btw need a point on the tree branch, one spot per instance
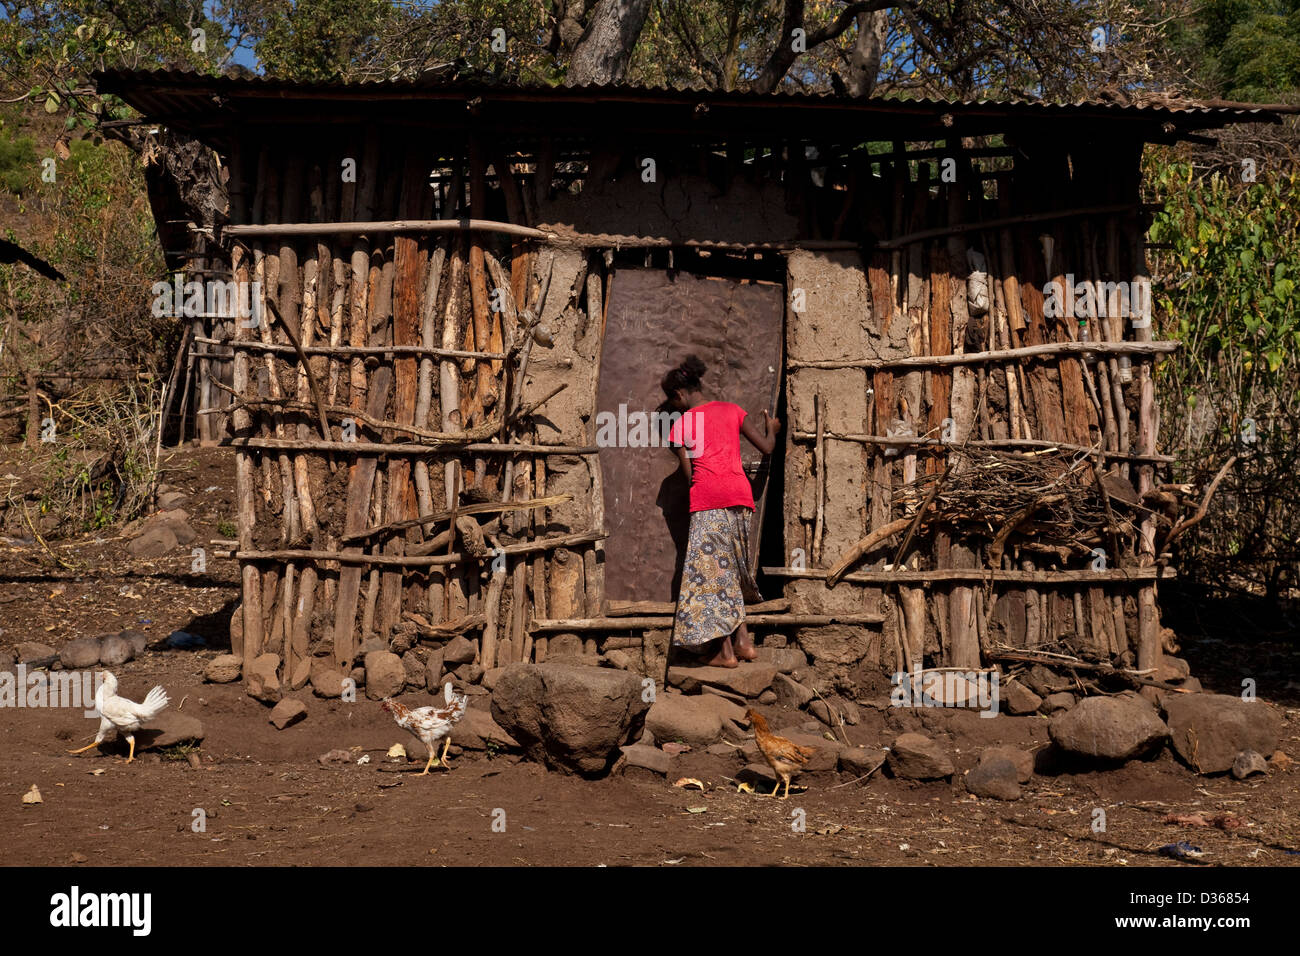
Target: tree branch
(783, 57)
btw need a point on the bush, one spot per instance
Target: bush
(1227, 289)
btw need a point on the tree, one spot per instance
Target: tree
(605, 48)
(314, 40)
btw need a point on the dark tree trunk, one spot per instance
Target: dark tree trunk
(868, 48)
(570, 18)
(603, 53)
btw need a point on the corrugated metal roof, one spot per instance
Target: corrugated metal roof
(202, 102)
(443, 82)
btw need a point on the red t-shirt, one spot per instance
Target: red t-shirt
(711, 436)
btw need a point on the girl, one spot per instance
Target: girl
(716, 578)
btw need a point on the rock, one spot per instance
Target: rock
(691, 720)
(647, 758)
(171, 499)
(790, 693)
(33, 796)
(733, 731)
(7, 661)
(994, 777)
(81, 652)
(726, 707)
(358, 676)
(138, 640)
(1019, 699)
(767, 697)
(1280, 760)
(30, 652)
(1022, 760)
(301, 674)
(1248, 762)
(385, 675)
(326, 678)
(1172, 669)
(458, 651)
(468, 673)
(564, 645)
(402, 637)
(185, 641)
(1209, 730)
(177, 522)
(725, 694)
(569, 716)
(416, 674)
(1062, 700)
(944, 689)
(490, 676)
(621, 659)
(1044, 682)
(372, 644)
(114, 650)
(262, 678)
(849, 711)
(155, 541)
(287, 713)
(222, 669)
(858, 761)
(1109, 728)
(168, 729)
(748, 680)
(757, 774)
(830, 715)
(784, 659)
(917, 757)
(478, 731)
(433, 670)
(335, 758)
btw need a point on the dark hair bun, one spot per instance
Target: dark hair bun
(685, 376)
(693, 368)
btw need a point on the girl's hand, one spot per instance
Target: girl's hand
(773, 425)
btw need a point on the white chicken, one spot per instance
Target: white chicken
(431, 724)
(124, 716)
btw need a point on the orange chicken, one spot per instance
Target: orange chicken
(785, 757)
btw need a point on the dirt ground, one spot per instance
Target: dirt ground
(268, 800)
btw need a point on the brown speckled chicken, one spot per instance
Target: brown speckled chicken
(785, 757)
(431, 724)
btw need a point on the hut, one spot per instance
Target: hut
(442, 408)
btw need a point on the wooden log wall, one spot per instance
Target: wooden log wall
(392, 493)
(888, 325)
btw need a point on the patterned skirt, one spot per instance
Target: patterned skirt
(716, 579)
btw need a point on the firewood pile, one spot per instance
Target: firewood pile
(1053, 501)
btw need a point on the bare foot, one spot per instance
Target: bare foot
(726, 657)
(745, 649)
